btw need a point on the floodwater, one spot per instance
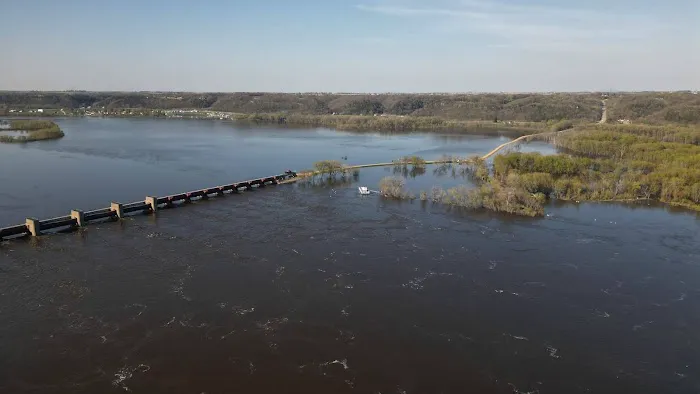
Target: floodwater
(103, 160)
(315, 289)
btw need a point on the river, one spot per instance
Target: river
(316, 289)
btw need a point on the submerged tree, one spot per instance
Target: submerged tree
(329, 167)
(394, 187)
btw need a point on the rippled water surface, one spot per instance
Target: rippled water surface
(317, 289)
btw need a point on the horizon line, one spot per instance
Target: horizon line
(344, 93)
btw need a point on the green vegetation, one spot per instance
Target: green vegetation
(613, 164)
(32, 130)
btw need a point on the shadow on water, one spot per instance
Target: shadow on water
(408, 171)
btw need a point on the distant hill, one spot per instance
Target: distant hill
(515, 107)
(683, 107)
(653, 107)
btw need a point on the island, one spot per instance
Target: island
(22, 131)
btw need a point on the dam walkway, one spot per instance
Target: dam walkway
(150, 204)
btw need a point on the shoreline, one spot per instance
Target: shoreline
(358, 123)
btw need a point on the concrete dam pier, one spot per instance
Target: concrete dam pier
(116, 211)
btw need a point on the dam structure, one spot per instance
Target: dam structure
(77, 218)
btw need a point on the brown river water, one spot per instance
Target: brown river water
(316, 289)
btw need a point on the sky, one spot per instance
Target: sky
(350, 45)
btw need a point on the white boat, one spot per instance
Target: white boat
(364, 190)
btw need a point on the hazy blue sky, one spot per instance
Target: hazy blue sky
(354, 45)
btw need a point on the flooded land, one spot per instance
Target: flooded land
(316, 289)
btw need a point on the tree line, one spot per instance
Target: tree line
(500, 106)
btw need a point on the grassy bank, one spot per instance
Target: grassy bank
(32, 130)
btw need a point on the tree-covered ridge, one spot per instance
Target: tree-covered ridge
(643, 107)
(655, 107)
(500, 106)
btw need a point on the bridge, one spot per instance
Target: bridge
(116, 211)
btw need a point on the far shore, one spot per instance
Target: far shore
(382, 123)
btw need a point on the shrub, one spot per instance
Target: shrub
(476, 169)
(329, 167)
(493, 196)
(537, 182)
(437, 195)
(415, 161)
(695, 193)
(394, 187)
